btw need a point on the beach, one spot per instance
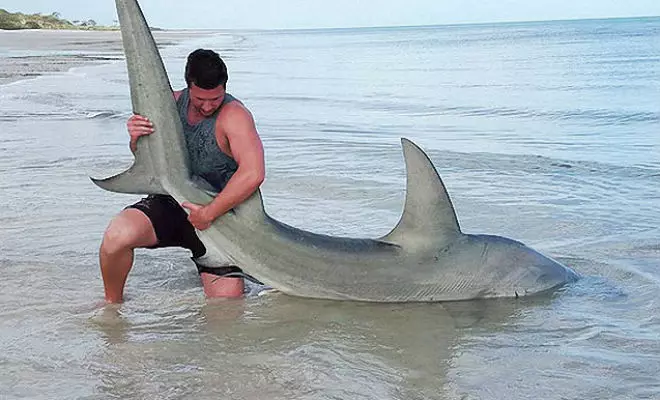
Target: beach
(27, 54)
(545, 133)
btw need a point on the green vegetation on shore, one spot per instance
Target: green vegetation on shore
(13, 21)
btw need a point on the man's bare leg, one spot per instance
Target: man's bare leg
(218, 286)
(129, 230)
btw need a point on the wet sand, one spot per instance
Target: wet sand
(30, 53)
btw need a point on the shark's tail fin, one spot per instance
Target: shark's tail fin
(138, 179)
(160, 159)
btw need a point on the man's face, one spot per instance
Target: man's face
(206, 101)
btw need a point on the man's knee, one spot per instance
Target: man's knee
(128, 230)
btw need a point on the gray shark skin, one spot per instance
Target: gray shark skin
(425, 258)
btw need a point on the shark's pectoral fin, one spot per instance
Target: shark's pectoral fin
(428, 212)
(138, 179)
(252, 209)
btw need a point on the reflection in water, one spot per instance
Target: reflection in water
(285, 347)
(108, 319)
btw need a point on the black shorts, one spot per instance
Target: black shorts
(170, 222)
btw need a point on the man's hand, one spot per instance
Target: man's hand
(138, 126)
(198, 215)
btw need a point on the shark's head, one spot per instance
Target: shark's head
(518, 267)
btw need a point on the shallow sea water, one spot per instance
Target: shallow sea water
(543, 132)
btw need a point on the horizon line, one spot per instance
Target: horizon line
(453, 24)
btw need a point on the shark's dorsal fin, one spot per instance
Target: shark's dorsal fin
(428, 212)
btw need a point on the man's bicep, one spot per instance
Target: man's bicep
(244, 141)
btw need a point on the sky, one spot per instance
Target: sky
(294, 14)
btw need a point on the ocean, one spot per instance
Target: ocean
(545, 132)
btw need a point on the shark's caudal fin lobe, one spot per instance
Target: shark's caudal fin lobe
(138, 179)
(140, 49)
(161, 159)
(428, 211)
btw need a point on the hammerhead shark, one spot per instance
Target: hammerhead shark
(425, 258)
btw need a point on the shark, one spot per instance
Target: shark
(424, 258)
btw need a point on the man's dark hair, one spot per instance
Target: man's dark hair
(206, 70)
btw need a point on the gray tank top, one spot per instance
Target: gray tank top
(207, 161)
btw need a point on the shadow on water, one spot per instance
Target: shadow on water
(167, 342)
(279, 346)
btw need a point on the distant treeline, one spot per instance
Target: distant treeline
(39, 21)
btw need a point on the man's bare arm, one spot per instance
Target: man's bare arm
(247, 150)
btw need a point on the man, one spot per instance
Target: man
(224, 149)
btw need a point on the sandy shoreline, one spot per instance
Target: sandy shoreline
(30, 53)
